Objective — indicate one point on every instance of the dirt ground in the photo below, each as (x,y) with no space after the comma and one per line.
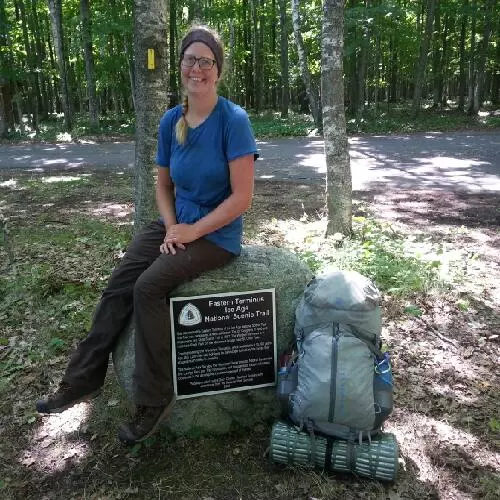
(446,369)
(446,362)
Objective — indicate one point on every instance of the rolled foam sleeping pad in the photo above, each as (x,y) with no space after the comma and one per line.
(375,460)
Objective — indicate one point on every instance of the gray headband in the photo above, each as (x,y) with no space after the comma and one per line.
(204,36)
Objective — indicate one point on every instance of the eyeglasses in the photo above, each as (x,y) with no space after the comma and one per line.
(203,62)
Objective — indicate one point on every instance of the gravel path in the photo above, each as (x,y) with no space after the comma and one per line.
(451,161)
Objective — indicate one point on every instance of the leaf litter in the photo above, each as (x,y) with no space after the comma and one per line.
(444,345)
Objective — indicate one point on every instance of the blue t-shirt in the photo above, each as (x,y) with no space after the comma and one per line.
(200,170)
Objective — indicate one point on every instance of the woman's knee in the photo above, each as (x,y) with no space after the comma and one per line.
(149,286)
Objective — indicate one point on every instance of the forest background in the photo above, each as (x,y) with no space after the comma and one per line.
(74,60)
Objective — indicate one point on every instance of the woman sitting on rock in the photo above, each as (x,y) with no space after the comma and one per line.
(205,158)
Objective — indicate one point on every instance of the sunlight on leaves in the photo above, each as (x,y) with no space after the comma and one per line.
(64,137)
(56,440)
(61,178)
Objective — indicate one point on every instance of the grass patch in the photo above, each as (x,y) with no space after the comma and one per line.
(55,260)
(399,119)
(269,125)
(53,130)
(401,265)
(388,118)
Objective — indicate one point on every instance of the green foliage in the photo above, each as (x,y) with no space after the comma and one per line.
(400,265)
(494,425)
(490,487)
(56,344)
(272,125)
(463,305)
(413,310)
(390,31)
(52,129)
(391,118)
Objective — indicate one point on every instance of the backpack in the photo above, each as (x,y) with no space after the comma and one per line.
(339,383)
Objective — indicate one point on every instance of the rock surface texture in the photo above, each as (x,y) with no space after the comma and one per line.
(257,268)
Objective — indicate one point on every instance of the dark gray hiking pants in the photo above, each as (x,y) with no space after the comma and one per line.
(140,285)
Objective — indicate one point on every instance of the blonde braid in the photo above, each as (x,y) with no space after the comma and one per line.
(181,128)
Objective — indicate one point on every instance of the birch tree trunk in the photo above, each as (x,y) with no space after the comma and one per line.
(422,60)
(338,168)
(34,89)
(150,32)
(89,64)
(55,9)
(312,93)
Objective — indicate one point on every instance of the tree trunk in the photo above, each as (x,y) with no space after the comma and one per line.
(285,86)
(248,64)
(483,54)
(495,85)
(312,93)
(262,87)
(257,59)
(361,64)
(231,74)
(393,77)
(130,64)
(4,127)
(437,59)
(32,80)
(150,33)
(40,55)
(55,9)
(422,60)
(377,73)
(445,58)
(173,91)
(472,61)
(89,64)
(17,100)
(274,85)
(462,76)
(338,169)
(195,12)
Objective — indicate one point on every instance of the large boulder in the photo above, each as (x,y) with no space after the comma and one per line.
(256,268)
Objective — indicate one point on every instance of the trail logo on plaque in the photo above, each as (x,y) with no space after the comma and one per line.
(223,342)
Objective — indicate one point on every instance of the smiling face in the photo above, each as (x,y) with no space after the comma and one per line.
(195,80)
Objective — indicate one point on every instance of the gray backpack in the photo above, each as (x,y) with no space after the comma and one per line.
(339,382)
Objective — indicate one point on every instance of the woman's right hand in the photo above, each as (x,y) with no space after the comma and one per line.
(170,247)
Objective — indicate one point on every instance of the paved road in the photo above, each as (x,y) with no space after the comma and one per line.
(450,161)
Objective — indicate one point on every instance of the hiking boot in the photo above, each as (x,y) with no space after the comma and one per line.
(144,423)
(65,397)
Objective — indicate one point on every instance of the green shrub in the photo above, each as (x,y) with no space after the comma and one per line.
(399,264)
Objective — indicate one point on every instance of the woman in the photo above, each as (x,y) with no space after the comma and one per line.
(205,158)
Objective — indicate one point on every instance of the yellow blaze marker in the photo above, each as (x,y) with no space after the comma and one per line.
(151,58)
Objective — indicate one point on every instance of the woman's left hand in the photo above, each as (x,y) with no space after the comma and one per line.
(181,233)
